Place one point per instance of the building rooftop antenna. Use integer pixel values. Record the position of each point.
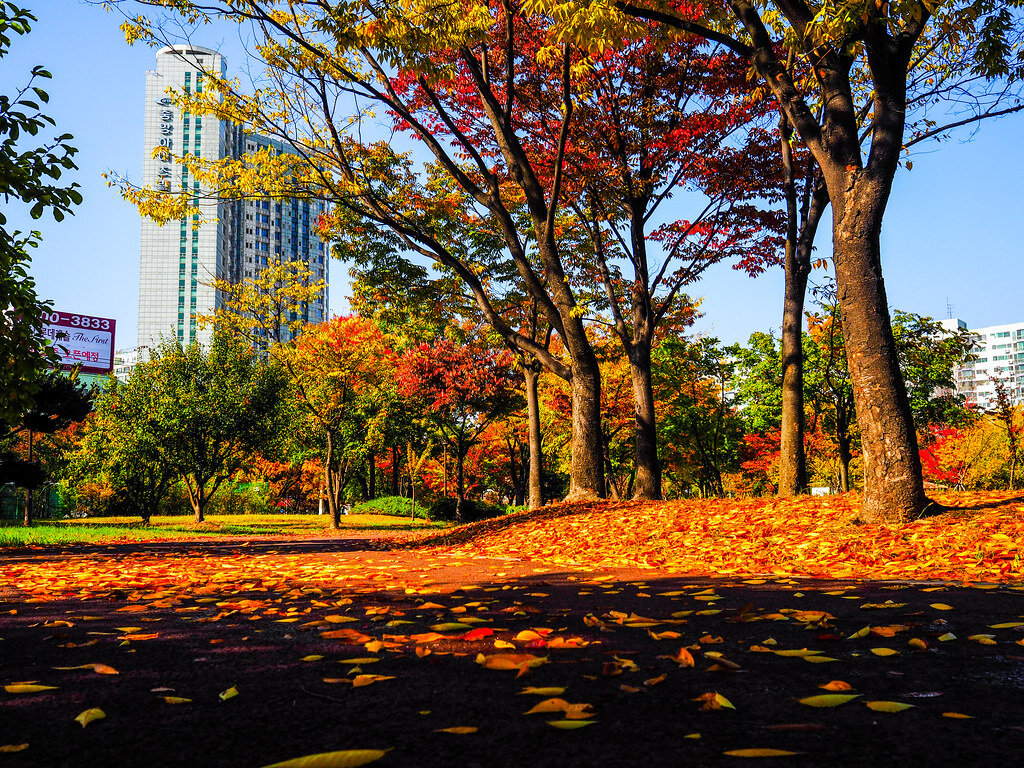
(949, 309)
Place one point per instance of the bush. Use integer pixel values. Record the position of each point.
(399, 506)
(447, 510)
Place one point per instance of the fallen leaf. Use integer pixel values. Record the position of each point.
(176, 700)
(542, 691)
(714, 700)
(349, 758)
(942, 607)
(459, 729)
(1007, 625)
(570, 725)
(28, 688)
(884, 652)
(90, 715)
(759, 752)
(837, 685)
(829, 699)
(230, 693)
(887, 706)
(13, 747)
(450, 626)
(957, 716)
(314, 657)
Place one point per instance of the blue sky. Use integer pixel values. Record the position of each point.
(952, 231)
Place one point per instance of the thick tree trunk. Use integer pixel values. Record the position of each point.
(586, 476)
(647, 483)
(792, 458)
(893, 486)
(535, 494)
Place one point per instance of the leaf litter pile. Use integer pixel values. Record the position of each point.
(555, 649)
(978, 539)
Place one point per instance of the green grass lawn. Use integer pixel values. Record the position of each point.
(107, 529)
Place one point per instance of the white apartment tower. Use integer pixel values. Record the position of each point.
(998, 355)
(179, 260)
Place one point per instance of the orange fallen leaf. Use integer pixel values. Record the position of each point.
(837, 685)
(459, 729)
(6, 748)
(362, 680)
(759, 752)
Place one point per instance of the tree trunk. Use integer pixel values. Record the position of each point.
(330, 484)
(586, 476)
(893, 485)
(371, 472)
(395, 471)
(647, 483)
(27, 520)
(845, 457)
(792, 458)
(532, 375)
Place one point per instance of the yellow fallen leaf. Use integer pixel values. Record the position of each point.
(947, 637)
(942, 607)
(1007, 625)
(360, 660)
(800, 653)
(884, 651)
(13, 747)
(460, 729)
(100, 669)
(509, 661)
(860, 633)
(887, 706)
(918, 643)
(692, 736)
(570, 725)
(714, 700)
(336, 619)
(450, 626)
(375, 646)
(348, 758)
(314, 657)
(957, 716)
(503, 644)
(362, 680)
(526, 635)
(983, 639)
(829, 699)
(759, 752)
(542, 691)
(176, 700)
(90, 715)
(230, 693)
(819, 659)
(28, 688)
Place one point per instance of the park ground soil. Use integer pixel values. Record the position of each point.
(290, 624)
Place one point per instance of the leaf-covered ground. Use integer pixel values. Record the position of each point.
(979, 538)
(250, 654)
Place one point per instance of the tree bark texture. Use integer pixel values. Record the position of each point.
(531, 373)
(893, 486)
(586, 476)
(647, 484)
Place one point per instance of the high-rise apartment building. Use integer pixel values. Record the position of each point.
(230, 239)
(998, 356)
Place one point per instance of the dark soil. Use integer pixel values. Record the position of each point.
(643, 700)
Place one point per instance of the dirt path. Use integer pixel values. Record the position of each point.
(299, 628)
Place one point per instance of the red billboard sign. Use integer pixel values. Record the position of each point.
(81, 340)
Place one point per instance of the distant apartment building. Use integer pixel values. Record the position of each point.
(231, 239)
(998, 356)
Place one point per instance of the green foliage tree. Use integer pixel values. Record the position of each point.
(701, 427)
(28, 175)
(195, 412)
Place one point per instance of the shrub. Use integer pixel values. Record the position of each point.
(399, 506)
